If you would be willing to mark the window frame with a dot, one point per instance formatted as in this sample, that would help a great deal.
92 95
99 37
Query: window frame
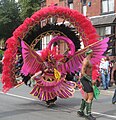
103 30
108 11
71 5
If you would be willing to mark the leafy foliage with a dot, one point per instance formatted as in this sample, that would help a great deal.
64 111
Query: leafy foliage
9 18
13 13
28 7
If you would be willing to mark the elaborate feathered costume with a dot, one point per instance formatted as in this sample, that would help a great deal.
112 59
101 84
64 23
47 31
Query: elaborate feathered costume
50 61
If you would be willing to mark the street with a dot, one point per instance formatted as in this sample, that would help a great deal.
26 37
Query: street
18 104
45 42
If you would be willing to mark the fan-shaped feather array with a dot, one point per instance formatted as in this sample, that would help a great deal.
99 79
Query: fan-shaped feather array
33 62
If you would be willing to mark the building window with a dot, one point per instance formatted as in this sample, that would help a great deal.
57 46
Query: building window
104 31
108 30
70 4
84 10
107 6
46 40
43 3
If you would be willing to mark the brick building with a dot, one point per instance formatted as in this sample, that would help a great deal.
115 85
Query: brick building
102 14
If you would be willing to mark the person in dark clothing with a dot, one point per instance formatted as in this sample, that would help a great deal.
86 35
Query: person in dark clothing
114 97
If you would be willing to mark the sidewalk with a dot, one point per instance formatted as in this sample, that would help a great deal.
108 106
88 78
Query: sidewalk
110 90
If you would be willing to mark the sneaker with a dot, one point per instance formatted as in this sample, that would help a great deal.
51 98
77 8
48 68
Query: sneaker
50 104
80 114
90 117
104 89
113 102
47 103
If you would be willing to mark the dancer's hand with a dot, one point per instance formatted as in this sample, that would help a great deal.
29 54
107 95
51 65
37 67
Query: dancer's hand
93 82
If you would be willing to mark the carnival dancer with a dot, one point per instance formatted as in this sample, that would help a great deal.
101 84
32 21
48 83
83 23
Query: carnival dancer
31 32
37 76
86 81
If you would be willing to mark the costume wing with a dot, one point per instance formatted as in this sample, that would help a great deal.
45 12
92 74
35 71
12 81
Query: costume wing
98 50
32 61
75 62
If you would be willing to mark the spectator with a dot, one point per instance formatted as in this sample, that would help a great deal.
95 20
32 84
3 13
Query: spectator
114 97
105 74
113 73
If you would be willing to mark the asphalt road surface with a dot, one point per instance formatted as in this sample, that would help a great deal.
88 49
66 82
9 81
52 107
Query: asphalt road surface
18 104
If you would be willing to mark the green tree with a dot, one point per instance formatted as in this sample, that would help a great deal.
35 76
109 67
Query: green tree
28 7
9 18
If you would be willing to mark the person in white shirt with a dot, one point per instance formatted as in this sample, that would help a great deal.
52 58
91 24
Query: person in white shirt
105 75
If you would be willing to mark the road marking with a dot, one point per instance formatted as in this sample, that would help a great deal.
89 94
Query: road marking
110 116
18 96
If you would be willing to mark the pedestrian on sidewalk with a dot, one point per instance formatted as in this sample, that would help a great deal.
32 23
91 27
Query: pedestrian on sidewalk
105 73
113 73
86 81
114 97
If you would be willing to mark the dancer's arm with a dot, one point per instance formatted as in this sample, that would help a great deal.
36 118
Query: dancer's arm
83 70
37 74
